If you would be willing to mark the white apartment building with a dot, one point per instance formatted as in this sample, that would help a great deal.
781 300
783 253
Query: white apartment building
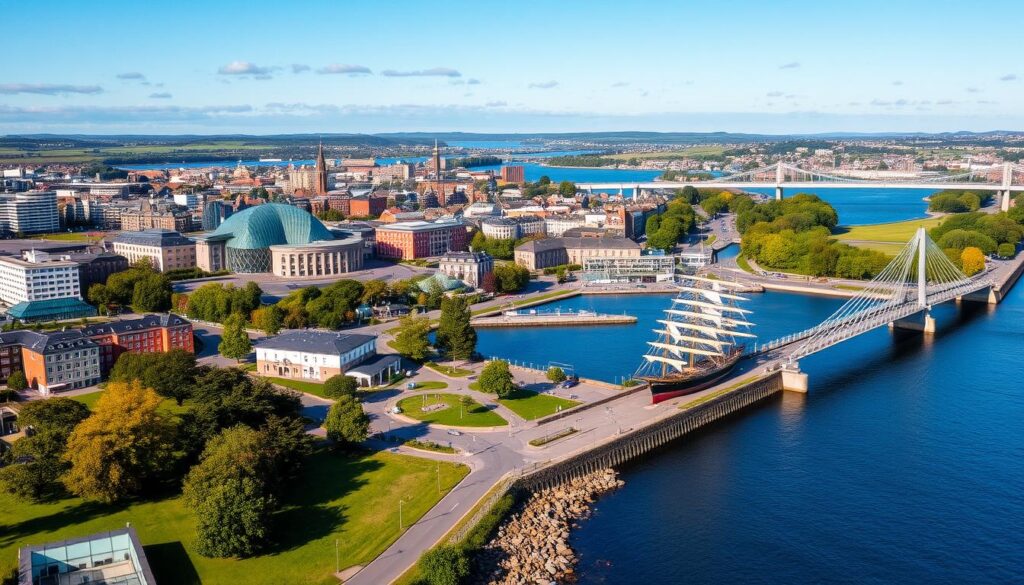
30 212
37 277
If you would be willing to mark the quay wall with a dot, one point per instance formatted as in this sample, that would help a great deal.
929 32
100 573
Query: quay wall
639 441
1004 287
563 320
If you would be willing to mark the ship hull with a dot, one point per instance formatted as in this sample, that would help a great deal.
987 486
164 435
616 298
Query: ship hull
665 388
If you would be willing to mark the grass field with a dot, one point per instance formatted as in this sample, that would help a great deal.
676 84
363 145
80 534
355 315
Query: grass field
531 405
430 385
448 370
340 498
313 388
741 261
897 231
69 237
474 415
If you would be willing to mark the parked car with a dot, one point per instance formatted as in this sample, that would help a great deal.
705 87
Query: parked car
454 433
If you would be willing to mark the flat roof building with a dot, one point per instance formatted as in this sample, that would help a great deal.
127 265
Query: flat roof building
112 558
420 239
31 212
539 254
165 249
38 277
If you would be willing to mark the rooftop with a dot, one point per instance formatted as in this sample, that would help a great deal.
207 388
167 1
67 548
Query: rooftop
158 237
114 557
546 244
317 342
421 226
268 225
129 325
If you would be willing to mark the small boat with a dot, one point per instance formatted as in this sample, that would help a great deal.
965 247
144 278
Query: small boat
700 339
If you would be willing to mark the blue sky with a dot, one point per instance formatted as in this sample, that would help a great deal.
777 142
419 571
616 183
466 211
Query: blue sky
273 67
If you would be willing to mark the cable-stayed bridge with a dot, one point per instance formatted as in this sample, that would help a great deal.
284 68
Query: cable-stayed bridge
784 176
918 278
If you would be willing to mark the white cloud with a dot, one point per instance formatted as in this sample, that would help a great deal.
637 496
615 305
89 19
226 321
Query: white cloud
434 72
543 84
341 69
245 68
1008 77
161 95
48 88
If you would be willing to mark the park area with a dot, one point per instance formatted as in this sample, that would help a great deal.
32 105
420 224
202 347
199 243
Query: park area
531 405
884 237
448 409
351 500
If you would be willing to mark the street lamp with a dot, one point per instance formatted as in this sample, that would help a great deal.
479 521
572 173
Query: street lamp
400 527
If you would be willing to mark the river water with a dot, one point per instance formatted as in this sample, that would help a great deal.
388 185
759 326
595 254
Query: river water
904 463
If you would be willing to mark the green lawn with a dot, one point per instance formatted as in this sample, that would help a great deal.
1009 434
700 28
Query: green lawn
669 154
452 371
894 234
313 388
741 261
69 237
349 500
430 385
474 415
531 405
525 301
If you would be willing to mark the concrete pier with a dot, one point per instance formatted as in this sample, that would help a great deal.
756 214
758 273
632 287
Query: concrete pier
552 320
923 322
793 380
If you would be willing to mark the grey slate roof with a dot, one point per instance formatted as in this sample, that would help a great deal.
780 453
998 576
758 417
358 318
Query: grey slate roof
318 342
154 237
46 343
546 244
129 325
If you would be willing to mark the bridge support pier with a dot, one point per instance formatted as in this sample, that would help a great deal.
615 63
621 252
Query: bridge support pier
778 193
1004 199
985 295
794 380
914 323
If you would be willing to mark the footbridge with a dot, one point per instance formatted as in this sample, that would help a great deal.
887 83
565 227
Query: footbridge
1005 181
901 296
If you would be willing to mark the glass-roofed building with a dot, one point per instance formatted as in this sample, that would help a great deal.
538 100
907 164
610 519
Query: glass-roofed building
278 238
113 558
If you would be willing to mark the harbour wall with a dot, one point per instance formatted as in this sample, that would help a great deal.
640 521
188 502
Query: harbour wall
639 441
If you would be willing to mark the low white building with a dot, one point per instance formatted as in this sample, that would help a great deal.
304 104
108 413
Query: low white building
313 355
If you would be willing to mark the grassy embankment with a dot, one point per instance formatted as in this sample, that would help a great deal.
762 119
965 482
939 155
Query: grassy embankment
453 414
888 238
669 154
343 499
217 149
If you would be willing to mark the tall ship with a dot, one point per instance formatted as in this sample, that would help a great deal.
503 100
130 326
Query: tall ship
699 341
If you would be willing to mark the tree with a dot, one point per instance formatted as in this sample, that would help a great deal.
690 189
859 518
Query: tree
455 335
16 381
973 260
556 374
170 374
268 319
444 565
1006 250
511 277
226 490
124 444
412 339
151 293
374 291
340 385
464 403
57 414
346 423
496 378
567 189
234 342
489 283
38 458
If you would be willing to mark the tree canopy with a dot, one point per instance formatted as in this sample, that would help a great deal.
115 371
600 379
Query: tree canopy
496 378
456 337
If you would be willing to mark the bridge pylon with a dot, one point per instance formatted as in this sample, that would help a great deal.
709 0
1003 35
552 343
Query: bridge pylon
780 176
1006 195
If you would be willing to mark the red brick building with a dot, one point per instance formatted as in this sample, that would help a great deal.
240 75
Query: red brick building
420 239
513 174
149 334
367 206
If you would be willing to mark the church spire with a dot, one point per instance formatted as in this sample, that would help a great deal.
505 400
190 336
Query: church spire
321 170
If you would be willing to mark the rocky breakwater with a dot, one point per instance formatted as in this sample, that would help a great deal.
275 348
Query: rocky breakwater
532 547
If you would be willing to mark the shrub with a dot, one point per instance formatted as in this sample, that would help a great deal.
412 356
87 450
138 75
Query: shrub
556 374
444 565
1007 250
497 379
16 381
340 385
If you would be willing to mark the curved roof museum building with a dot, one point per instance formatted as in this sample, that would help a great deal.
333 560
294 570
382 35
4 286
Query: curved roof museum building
278 238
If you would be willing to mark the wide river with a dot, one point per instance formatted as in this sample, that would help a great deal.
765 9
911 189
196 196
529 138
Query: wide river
904 463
